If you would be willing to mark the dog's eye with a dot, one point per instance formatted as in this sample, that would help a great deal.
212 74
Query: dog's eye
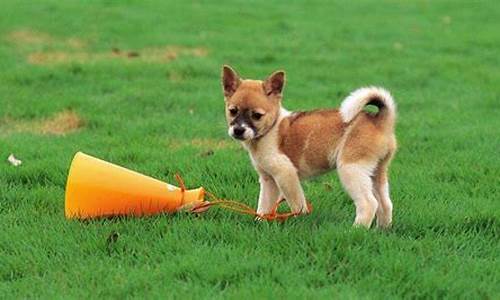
233 111
257 116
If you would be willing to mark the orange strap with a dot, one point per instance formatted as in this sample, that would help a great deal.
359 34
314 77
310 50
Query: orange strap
238 206
181 185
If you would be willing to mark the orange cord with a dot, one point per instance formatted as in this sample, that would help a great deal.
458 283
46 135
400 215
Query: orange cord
238 206
182 186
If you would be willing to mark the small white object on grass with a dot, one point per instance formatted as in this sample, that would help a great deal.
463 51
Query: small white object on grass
14 161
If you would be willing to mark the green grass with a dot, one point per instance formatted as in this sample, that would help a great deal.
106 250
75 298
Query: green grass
439 58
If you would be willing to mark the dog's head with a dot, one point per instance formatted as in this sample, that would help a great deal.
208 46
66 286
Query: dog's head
252 106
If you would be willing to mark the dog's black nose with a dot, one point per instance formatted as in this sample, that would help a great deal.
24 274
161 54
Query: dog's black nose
238 131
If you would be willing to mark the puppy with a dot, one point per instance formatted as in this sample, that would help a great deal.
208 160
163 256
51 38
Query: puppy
286 147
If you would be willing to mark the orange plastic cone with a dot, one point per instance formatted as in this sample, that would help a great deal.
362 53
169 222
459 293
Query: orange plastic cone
96 188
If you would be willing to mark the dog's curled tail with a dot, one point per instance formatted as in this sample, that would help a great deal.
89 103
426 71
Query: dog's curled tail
357 100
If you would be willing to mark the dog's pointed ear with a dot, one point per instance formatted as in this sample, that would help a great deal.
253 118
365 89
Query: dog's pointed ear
274 84
230 81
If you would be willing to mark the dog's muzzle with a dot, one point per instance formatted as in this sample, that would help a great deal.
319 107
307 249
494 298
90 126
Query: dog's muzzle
241 132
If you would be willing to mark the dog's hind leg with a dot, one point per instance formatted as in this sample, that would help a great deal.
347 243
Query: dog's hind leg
357 181
381 191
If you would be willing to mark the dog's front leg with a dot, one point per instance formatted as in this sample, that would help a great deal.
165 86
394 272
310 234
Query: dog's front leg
269 194
287 179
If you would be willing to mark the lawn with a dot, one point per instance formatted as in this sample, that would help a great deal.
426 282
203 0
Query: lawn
138 83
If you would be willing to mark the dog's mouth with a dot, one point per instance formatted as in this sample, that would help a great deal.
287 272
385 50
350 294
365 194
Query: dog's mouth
239 138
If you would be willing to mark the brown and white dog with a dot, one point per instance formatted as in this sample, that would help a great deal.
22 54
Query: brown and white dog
285 147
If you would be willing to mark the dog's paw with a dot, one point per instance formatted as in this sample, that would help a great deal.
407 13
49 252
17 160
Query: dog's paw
384 224
304 210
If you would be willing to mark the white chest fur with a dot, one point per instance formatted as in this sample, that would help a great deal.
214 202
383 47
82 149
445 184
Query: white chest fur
265 154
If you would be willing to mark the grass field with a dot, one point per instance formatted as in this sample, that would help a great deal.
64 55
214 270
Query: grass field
137 83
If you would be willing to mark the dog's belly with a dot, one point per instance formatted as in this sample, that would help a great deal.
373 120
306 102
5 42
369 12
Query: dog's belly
311 140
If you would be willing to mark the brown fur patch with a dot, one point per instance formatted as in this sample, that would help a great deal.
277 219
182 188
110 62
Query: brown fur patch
308 139
367 140
60 124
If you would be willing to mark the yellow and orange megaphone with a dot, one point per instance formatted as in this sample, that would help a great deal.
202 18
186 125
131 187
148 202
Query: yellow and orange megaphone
96 188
